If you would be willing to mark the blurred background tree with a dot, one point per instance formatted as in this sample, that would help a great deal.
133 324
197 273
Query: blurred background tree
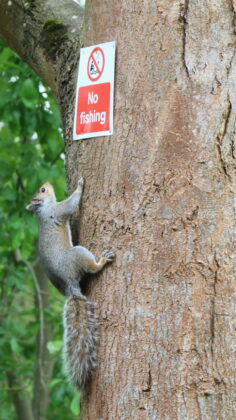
32 383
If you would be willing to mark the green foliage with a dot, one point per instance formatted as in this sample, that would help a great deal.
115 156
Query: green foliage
75 405
54 346
31 153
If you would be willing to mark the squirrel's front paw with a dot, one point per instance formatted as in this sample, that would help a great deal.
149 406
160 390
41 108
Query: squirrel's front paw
108 256
81 183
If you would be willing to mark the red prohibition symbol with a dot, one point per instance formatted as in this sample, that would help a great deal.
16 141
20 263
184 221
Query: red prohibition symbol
96 63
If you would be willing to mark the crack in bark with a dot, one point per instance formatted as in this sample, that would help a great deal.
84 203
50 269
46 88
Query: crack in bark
220 138
232 6
231 62
184 19
216 84
194 214
212 326
149 381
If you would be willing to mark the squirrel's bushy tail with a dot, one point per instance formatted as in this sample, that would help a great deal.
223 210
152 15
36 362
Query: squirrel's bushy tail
80 339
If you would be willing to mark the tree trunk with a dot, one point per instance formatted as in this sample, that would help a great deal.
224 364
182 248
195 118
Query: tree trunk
160 193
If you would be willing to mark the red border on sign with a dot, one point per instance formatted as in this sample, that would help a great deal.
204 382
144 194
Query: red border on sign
100 71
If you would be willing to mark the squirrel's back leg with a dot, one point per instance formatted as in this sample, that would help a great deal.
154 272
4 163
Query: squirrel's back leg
90 265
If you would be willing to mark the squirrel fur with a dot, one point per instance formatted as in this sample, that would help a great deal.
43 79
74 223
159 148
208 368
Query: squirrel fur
65 265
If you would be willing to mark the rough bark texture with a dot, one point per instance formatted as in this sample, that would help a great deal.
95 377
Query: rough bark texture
44 33
161 193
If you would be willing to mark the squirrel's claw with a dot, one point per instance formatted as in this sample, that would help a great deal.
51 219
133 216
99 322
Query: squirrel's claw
81 182
109 255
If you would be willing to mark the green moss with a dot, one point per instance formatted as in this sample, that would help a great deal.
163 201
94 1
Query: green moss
53 25
54 34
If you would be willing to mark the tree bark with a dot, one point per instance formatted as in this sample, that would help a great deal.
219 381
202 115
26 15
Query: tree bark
43 33
160 193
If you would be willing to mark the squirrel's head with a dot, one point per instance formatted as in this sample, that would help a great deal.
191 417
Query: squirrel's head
45 195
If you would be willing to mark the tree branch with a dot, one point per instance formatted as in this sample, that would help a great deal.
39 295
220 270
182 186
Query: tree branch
20 399
45 362
40 31
40 306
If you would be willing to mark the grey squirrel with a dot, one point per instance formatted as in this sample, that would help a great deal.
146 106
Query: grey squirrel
65 265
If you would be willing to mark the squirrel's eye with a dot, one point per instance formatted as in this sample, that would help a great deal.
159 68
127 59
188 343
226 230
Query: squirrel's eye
43 190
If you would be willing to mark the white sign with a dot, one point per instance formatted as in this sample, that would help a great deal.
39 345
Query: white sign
95 92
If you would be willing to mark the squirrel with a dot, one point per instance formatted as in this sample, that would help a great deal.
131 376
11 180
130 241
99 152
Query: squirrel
65 265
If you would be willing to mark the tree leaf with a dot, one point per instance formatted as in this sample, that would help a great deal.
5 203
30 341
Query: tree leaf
29 95
54 346
75 404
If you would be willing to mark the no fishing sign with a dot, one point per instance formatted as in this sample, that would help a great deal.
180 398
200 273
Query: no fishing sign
95 92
